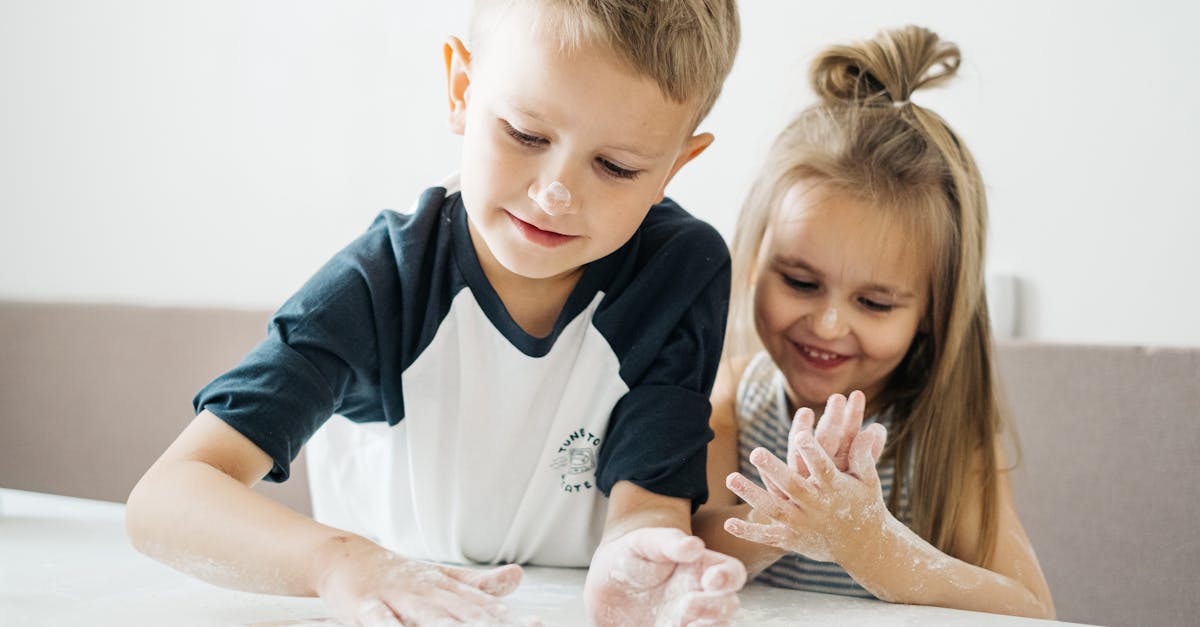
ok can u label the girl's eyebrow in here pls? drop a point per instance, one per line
(796, 262)
(801, 264)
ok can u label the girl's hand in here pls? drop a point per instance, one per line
(821, 515)
(836, 430)
(366, 585)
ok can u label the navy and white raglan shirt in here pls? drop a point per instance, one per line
(455, 435)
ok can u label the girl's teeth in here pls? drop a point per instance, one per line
(820, 354)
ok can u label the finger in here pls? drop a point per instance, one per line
(864, 453)
(772, 535)
(376, 614)
(758, 498)
(461, 601)
(823, 470)
(773, 489)
(802, 421)
(498, 581)
(830, 427)
(463, 607)
(879, 441)
(665, 544)
(772, 468)
(640, 573)
(707, 606)
(852, 419)
(722, 573)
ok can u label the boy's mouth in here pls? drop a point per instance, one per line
(549, 239)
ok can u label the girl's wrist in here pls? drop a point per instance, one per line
(874, 534)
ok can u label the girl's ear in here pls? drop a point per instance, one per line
(458, 82)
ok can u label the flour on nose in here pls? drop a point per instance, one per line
(554, 196)
(830, 317)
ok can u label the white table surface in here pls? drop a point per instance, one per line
(66, 561)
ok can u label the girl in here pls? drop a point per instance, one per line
(858, 260)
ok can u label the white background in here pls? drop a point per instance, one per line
(216, 152)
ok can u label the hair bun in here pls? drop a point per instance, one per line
(885, 69)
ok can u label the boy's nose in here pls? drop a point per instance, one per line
(554, 199)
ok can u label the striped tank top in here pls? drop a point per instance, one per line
(763, 420)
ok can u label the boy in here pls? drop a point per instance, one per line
(526, 342)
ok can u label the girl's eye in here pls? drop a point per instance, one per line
(524, 139)
(876, 306)
(616, 170)
(797, 284)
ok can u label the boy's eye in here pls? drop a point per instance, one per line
(876, 305)
(523, 138)
(616, 170)
(799, 285)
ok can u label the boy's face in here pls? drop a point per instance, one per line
(563, 153)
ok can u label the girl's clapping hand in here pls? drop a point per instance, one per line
(825, 510)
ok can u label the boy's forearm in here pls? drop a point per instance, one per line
(709, 524)
(899, 566)
(201, 521)
(650, 514)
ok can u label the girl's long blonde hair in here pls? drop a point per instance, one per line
(865, 137)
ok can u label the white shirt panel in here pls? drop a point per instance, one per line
(497, 466)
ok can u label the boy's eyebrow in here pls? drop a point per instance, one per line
(637, 152)
(797, 262)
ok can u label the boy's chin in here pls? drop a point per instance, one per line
(538, 269)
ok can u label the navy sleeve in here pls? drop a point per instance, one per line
(658, 432)
(321, 355)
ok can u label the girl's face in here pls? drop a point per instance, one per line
(839, 294)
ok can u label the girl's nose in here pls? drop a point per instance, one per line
(828, 324)
(554, 199)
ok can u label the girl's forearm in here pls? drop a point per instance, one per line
(709, 525)
(197, 519)
(899, 566)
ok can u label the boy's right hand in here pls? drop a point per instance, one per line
(366, 585)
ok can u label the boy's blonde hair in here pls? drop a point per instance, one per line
(686, 46)
(866, 138)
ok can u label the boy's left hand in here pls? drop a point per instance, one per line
(662, 576)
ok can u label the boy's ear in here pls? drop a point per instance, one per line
(458, 82)
(691, 149)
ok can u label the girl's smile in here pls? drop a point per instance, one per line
(820, 359)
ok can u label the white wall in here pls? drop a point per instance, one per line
(218, 151)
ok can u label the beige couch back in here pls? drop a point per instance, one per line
(90, 395)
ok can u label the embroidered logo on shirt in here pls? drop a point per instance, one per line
(576, 461)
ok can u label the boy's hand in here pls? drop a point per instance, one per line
(661, 576)
(366, 585)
